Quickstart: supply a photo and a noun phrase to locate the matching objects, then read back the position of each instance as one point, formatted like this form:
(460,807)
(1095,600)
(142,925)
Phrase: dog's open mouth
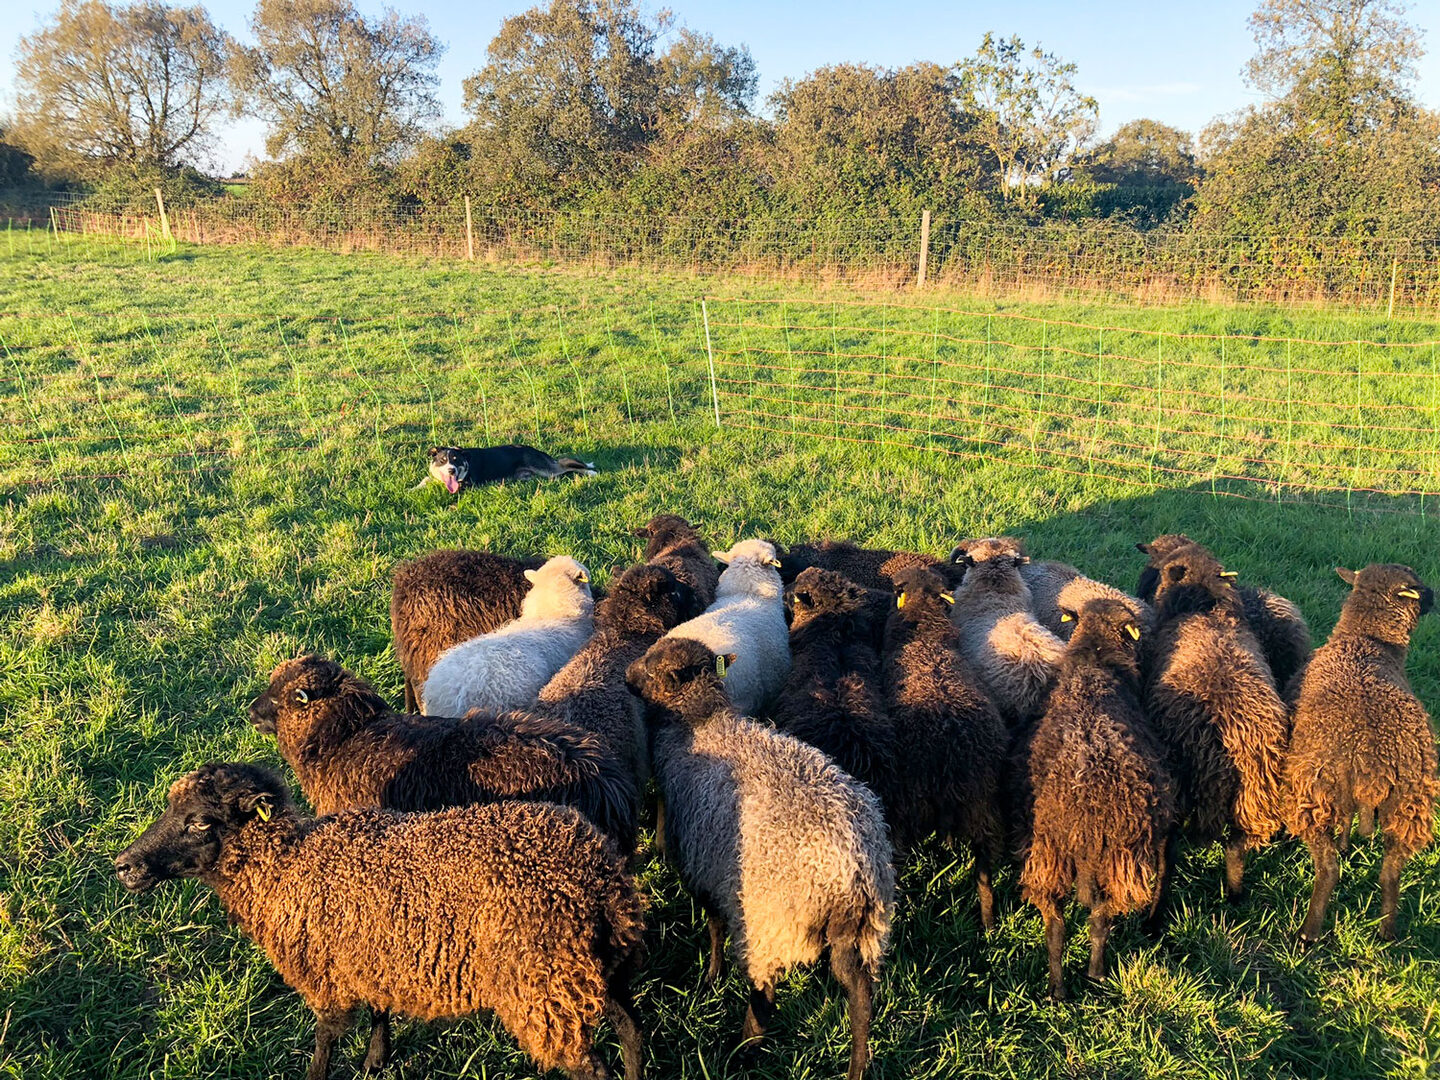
(452,485)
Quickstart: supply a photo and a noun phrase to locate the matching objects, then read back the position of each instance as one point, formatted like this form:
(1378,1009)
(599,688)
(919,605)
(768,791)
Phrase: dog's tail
(570,464)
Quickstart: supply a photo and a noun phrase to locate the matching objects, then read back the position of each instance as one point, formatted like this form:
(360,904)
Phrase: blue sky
(1179,63)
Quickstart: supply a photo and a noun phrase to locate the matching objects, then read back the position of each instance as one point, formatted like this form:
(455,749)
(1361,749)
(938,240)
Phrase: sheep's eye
(198,826)
(302,698)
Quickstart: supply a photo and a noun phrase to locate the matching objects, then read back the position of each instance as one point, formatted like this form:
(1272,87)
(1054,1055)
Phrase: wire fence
(1349,423)
(1090,259)
(1354,424)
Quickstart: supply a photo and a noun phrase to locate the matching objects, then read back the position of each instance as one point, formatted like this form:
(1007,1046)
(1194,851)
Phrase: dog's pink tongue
(451,484)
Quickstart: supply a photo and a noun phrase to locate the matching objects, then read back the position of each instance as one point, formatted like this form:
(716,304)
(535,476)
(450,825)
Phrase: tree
(1343,64)
(1144,152)
(574,94)
(336,87)
(1031,116)
(852,138)
(138,85)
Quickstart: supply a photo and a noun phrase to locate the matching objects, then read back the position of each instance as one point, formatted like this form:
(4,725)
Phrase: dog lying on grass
(457,467)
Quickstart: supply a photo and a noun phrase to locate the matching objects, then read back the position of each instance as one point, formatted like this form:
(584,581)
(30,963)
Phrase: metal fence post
(710,354)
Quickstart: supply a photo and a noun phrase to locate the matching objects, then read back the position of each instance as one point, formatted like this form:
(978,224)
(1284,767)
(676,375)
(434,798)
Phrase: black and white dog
(456,467)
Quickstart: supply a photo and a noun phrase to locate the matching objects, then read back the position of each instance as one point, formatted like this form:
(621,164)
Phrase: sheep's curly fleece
(764,828)
(1362,740)
(675,544)
(519,908)
(872,568)
(447,597)
(747,619)
(1013,655)
(506,668)
(1209,694)
(349,751)
(1101,802)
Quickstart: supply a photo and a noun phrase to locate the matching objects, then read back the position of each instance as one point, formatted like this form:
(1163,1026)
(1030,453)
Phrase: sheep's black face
(673,669)
(1389,595)
(820,592)
(919,591)
(1106,632)
(654,594)
(1192,579)
(795,561)
(1159,550)
(295,686)
(202,809)
(663,530)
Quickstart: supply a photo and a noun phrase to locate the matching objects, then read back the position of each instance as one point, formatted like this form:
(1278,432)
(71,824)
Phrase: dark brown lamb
(1362,740)
(589,692)
(523,909)
(1097,796)
(1279,627)
(349,750)
(447,597)
(874,568)
(834,698)
(950,742)
(675,544)
(1210,696)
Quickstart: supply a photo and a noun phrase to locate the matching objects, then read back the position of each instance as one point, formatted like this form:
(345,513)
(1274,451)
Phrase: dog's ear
(434,450)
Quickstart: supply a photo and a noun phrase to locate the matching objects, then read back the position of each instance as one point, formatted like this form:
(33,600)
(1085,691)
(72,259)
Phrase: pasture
(209,464)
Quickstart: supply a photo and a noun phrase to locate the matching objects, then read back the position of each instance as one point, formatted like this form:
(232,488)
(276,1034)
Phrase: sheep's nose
(126,867)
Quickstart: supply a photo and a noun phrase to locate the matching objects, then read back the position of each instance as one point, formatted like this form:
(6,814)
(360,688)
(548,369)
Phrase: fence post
(710,353)
(924,248)
(469,233)
(1394,268)
(164,218)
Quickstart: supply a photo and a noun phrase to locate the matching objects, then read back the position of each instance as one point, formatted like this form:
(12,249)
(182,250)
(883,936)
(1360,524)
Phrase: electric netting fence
(1347,423)
(1356,424)
(1087,259)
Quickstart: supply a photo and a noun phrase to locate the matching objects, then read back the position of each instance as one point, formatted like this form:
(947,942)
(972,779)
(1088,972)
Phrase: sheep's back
(754,630)
(505,669)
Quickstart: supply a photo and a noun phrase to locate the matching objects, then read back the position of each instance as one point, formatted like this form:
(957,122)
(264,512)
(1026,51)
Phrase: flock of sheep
(476,854)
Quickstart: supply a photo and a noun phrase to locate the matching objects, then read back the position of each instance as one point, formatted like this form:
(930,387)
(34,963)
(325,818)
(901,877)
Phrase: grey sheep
(782,847)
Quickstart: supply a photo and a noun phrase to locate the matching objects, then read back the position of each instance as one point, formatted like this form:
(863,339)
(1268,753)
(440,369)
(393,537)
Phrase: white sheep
(748,616)
(507,668)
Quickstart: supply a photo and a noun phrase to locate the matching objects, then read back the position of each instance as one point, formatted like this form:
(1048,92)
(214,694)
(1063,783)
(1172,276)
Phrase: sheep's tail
(866,925)
(621,939)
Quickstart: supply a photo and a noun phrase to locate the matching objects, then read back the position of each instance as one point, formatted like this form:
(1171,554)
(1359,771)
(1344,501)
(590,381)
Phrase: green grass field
(209,463)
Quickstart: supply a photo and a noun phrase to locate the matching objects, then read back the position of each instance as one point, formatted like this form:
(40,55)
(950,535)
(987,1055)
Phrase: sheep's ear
(722,557)
(531,576)
(642,533)
(960,554)
(258,803)
(1021,560)
(1144,549)
(1347,576)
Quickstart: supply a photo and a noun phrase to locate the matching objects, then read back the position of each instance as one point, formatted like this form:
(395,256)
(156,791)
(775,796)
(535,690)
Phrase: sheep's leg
(329,1026)
(412,704)
(1164,874)
(1367,821)
(851,974)
(1055,944)
(1343,845)
(716,965)
(379,1052)
(986,889)
(660,827)
(759,1014)
(1099,935)
(1234,868)
(618,1010)
(1327,873)
(1390,867)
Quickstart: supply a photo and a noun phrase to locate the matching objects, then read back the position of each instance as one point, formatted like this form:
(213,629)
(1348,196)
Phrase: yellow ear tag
(1229,573)
(1409,594)
(262,811)
(947,598)
(720,666)
(1065,616)
(900,600)
(1132,630)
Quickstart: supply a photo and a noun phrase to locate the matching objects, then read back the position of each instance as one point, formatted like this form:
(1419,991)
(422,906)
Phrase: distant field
(208,464)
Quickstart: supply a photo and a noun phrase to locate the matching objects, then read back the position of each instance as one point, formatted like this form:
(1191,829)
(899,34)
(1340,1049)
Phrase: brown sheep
(1278,625)
(447,597)
(523,909)
(675,544)
(589,692)
(874,568)
(1098,799)
(1211,698)
(950,742)
(834,698)
(349,750)
(1362,740)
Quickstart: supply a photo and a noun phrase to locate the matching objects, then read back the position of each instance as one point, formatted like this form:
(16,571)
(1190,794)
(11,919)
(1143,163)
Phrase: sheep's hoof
(1386,932)
(1305,942)
(1057,994)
